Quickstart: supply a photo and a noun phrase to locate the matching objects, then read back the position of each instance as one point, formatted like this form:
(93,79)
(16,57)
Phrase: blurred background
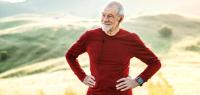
(35,35)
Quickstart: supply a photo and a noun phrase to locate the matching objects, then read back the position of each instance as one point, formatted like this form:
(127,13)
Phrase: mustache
(106,24)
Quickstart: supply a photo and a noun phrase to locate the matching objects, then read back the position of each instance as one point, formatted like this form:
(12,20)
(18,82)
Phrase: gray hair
(120,8)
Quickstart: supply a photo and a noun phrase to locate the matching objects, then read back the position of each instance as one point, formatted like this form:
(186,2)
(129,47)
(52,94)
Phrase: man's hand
(89,80)
(126,83)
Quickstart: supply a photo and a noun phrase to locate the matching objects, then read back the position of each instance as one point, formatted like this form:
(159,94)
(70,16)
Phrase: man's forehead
(110,10)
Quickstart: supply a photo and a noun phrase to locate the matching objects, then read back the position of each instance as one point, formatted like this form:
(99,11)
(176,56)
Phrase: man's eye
(110,16)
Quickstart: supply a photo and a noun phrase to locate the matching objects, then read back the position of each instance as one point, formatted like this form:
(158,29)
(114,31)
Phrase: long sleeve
(77,48)
(148,57)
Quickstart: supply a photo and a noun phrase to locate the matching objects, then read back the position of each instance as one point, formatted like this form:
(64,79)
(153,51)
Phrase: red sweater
(110,58)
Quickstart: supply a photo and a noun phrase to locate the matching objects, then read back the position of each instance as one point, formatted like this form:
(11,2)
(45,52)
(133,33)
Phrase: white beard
(106,28)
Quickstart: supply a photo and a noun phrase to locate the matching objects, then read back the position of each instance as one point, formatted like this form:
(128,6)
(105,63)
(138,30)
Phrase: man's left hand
(126,83)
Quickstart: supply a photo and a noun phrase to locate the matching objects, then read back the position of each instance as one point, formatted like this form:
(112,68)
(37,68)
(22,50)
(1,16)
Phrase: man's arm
(148,57)
(77,48)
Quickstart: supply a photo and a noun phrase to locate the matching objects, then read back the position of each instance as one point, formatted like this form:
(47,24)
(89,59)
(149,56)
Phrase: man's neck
(113,32)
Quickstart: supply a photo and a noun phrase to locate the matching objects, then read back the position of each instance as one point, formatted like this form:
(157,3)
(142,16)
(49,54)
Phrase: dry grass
(39,92)
(160,88)
(70,92)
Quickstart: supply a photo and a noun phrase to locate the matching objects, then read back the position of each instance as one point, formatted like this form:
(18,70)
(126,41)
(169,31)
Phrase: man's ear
(121,18)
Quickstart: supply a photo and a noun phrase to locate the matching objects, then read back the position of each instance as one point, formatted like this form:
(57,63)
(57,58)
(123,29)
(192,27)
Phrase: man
(110,50)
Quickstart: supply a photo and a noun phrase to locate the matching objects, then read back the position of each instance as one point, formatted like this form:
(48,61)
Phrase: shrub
(3,55)
(165,32)
(194,48)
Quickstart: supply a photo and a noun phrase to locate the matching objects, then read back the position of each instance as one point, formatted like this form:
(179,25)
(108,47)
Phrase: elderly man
(110,49)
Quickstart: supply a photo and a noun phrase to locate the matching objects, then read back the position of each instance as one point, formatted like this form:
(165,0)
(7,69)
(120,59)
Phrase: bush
(165,32)
(194,48)
(3,55)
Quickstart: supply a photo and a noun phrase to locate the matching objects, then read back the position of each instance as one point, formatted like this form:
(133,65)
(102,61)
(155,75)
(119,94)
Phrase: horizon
(132,8)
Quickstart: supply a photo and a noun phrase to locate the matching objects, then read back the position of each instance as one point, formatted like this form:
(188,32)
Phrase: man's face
(110,19)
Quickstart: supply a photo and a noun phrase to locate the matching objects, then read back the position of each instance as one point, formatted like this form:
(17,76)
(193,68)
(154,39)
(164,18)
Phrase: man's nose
(105,19)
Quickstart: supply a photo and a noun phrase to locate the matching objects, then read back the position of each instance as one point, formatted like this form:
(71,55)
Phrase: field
(32,49)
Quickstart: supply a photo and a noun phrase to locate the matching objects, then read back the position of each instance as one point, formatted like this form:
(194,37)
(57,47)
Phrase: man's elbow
(68,55)
(158,65)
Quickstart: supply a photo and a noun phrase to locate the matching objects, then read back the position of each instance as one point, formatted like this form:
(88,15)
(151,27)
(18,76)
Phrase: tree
(165,32)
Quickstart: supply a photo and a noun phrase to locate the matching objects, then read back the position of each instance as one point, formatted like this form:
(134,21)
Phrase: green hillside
(35,45)
(41,43)
(10,24)
(148,26)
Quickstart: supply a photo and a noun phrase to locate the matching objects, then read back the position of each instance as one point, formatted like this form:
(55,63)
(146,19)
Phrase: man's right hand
(89,80)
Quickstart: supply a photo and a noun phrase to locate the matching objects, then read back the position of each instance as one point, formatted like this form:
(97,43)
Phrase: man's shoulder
(93,32)
(129,35)
(132,36)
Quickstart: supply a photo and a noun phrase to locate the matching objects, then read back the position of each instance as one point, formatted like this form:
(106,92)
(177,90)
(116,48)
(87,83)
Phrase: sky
(186,7)
(142,7)
(14,1)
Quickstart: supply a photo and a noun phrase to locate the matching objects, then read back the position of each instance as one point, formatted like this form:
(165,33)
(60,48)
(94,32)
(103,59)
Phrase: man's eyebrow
(107,13)
(111,15)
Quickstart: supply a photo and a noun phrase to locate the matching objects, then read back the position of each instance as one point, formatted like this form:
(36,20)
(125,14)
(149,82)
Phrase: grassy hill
(40,42)
(148,26)
(32,52)
(35,44)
